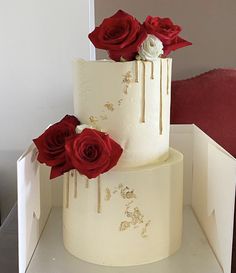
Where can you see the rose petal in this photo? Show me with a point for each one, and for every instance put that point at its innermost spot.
(165, 30)
(179, 43)
(60, 170)
(70, 120)
(116, 152)
(129, 53)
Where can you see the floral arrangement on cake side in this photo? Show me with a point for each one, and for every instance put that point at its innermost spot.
(126, 39)
(68, 145)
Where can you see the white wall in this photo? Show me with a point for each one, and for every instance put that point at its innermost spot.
(39, 40)
(208, 24)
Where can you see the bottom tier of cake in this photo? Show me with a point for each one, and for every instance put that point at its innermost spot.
(125, 217)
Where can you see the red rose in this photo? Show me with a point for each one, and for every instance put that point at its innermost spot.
(92, 152)
(162, 28)
(120, 34)
(166, 31)
(51, 145)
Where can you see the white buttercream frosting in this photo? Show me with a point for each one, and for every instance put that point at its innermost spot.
(150, 49)
(141, 214)
(124, 100)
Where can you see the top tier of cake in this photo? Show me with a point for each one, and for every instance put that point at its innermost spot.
(130, 101)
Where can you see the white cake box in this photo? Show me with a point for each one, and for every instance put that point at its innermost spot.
(209, 189)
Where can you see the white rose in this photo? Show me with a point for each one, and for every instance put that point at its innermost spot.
(80, 128)
(150, 49)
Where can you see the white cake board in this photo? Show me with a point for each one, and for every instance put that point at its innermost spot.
(195, 255)
(209, 188)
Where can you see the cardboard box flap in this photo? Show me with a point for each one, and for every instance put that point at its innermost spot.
(213, 194)
(209, 185)
(28, 150)
(34, 204)
(198, 131)
(220, 204)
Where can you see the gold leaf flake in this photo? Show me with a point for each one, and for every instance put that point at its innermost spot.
(124, 225)
(127, 80)
(137, 217)
(129, 203)
(108, 194)
(93, 120)
(126, 193)
(133, 217)
(126, 89)
(120, 186)
(144, 230)
(120, 101)
(130, 194)
(129, 214)
(109, 106)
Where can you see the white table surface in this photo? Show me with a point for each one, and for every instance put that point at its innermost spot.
(194, 256)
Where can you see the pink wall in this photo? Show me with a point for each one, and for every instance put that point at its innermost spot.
(209, 24)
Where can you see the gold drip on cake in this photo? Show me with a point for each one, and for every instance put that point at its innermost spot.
(108, 194)
(160, 114)
(168, 79)
(87, 183)
(136, 71)
(152, 70)
(143, 94)
(99, 194)
(72, 173)
(67, 189)
(76, 185)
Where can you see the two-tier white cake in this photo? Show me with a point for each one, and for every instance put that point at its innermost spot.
(123, 184)
(131, 214)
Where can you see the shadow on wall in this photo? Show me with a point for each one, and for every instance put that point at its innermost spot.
(213, 47)
(8, 181)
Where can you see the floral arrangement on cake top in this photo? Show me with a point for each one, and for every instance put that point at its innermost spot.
(126, 39)
(68, 145)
